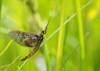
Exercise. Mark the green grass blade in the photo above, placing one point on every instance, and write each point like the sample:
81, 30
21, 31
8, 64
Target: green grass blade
81, 36
20, 67
73, 50
71, 17
6, 47
15, 62
60, 40
47, 57
0, 5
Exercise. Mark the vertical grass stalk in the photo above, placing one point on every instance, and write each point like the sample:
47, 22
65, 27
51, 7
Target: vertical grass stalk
60, 41
47, 57
81, 36
0, 10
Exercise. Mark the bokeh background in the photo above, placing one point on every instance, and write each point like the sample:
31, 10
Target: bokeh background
61, 49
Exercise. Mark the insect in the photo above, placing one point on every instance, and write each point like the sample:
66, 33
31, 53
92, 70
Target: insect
28, 39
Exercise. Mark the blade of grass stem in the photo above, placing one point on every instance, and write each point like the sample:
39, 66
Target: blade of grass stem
4, 66
19, 68
6, 47
67, 27
81, 36
13, 62
60, 40
47, 57
67, 21
0, 10
73, 50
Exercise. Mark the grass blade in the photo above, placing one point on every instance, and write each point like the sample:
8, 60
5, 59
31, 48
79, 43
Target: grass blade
81, 36
70, 54
60, 40
6, 47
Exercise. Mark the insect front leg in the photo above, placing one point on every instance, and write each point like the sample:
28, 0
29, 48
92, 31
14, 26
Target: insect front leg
31, 53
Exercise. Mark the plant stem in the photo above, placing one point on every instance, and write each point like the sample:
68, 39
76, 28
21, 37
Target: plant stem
47, 57
60, 41
6, 47
0, 10
81, 36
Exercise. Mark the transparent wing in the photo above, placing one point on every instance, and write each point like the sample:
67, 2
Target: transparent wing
24, 38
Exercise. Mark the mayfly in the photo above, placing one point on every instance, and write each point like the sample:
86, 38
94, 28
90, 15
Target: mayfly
28, 39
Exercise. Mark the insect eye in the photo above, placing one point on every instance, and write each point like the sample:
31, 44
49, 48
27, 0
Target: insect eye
43, 32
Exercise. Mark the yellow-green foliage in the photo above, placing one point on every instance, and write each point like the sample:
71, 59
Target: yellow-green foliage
72, 40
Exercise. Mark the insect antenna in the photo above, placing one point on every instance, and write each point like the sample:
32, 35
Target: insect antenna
44, 31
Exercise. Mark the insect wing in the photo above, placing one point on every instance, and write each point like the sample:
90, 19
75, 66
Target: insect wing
24, 38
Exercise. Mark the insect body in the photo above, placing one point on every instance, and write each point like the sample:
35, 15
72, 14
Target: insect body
27, 39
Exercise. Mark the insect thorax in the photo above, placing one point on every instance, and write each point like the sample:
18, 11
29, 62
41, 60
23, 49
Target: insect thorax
40, 38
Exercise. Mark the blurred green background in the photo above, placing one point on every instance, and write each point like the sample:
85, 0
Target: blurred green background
63, 48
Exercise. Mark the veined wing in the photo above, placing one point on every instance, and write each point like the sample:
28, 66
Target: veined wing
24, 38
